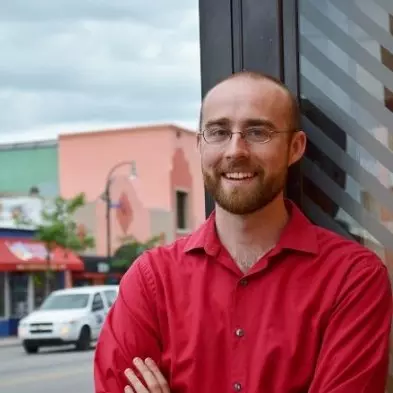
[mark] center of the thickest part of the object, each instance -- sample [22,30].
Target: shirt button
[237,387]
[239,332]
[243,282]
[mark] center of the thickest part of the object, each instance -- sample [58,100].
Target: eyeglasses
[260,135]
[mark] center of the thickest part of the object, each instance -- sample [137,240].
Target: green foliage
[131,250]
[59,228]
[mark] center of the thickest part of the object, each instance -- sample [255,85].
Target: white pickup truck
[67,316]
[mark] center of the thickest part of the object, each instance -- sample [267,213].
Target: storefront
[23,265]
[97,271]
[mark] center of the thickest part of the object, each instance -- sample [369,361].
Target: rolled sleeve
[130,329]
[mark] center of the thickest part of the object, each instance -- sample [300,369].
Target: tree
[59,229]
[131,249]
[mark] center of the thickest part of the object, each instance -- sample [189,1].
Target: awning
[27,255]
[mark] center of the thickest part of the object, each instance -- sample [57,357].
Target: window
[133,173]
[18,289]
[366,200]
[181,209]
[98,303]
[110,297]
[39,279]
[65,302]
[39,288]
[2,295]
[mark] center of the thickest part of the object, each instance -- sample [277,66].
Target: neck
[260,230]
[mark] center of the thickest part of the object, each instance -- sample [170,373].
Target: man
[258,299]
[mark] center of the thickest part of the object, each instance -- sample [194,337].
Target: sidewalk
[9,342]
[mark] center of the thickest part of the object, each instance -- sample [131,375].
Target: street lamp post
[108,200]
[108,220]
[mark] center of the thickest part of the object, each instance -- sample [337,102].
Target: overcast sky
[81,63]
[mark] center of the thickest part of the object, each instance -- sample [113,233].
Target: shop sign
[21,212]
[27,251]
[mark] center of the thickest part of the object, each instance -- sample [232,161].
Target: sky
[69,65]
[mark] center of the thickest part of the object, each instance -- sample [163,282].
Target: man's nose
[237,147]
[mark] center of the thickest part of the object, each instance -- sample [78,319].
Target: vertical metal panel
[290,60]
[237,35]
[290,45]
[215,41]
[262,38]
[216,51]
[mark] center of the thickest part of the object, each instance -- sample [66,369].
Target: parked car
[67,316]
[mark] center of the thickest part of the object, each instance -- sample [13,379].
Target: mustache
[239,166]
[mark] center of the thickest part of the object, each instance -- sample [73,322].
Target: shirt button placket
[244,282]
[239,334]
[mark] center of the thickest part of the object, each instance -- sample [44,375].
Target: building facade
[30,167]
[139,183]
[151,175]
[337,58]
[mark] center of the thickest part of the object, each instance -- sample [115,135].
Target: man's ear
[298,146]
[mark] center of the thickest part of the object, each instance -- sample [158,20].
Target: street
[61,370]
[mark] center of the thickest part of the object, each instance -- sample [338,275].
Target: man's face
[243,176]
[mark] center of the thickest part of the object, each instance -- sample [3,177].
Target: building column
[30,293]
[7,296]
[67,279]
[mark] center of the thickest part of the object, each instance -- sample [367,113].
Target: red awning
[24,254]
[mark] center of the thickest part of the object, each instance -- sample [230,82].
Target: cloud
[167,11]
[84,61]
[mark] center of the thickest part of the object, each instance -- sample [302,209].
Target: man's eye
[258,132]
[218,132]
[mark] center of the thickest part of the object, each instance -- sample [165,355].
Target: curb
[12,343]
[4,343]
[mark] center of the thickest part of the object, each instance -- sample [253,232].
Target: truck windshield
[65,302]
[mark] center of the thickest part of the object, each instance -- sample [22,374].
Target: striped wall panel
[346,90]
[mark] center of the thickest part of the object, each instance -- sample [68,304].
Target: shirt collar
[205,238]
[298,235]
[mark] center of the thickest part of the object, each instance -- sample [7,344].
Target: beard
[245,200]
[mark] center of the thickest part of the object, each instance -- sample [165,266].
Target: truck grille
[41,328]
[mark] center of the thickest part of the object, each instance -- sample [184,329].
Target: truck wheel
[84,340]
[30,348]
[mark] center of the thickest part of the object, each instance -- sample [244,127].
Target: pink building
[157,190]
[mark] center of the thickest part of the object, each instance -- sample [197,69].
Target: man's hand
[153,378]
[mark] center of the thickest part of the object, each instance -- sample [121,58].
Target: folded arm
[130,329]
[354,354]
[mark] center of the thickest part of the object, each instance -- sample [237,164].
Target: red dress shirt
[312,316]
